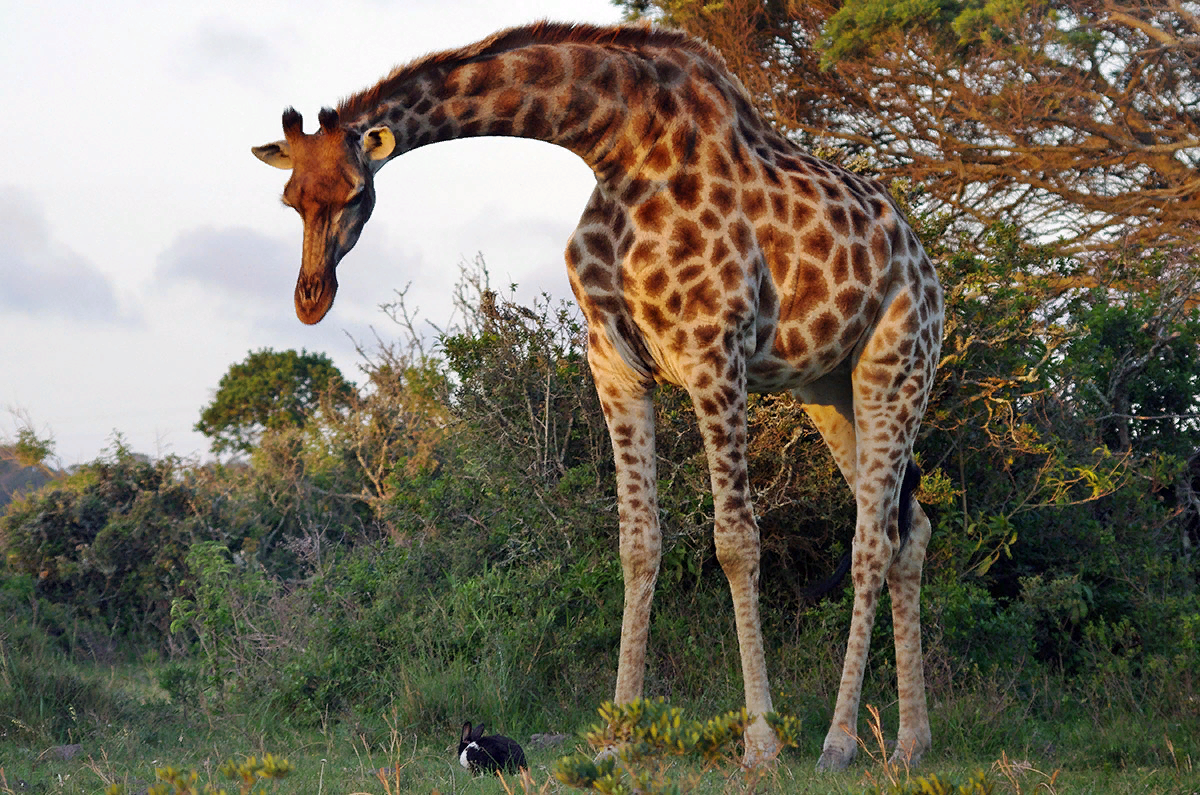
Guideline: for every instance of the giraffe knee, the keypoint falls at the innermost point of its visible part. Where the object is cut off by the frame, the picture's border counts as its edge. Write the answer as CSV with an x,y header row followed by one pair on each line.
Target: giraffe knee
x,y
640,556
867,571
738,554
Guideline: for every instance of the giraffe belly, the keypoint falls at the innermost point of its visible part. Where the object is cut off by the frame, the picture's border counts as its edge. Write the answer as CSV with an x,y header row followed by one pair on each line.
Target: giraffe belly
x,y
770,366
788,359
770,373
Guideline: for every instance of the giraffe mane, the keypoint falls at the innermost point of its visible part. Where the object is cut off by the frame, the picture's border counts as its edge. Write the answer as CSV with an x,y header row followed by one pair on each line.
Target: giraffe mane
x,y
628,37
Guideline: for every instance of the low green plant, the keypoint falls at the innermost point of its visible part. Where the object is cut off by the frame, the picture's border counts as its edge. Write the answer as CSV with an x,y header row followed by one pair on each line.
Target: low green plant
x,y
48,692
639,739
248,773
933,784
896,778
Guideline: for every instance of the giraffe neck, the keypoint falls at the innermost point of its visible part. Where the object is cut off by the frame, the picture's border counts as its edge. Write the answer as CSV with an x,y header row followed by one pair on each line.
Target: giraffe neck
x,y
628,103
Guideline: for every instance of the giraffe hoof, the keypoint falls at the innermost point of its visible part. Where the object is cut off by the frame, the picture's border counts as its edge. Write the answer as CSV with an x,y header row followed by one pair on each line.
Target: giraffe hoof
x,y
834,760
900,759
760,757
908,754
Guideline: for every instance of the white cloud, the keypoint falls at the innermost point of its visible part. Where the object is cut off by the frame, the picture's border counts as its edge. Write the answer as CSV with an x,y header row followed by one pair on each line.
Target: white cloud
x,y
220,47
39,276
238,262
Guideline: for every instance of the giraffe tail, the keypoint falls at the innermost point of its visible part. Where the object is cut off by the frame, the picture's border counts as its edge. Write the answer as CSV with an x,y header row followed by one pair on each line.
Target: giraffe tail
x,y
822,588
912,480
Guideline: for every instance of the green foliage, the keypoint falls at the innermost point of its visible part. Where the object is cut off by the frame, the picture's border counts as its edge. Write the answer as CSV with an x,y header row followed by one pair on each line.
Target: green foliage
x,y
1136,367
523,389
978,784
1004,337
381,631
248,773
954,24
30,450
214,606
269,390
1056,481
108,540
639,739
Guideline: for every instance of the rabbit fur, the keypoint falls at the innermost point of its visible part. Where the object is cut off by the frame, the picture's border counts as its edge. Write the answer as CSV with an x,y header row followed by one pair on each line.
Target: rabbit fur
x,y
480,754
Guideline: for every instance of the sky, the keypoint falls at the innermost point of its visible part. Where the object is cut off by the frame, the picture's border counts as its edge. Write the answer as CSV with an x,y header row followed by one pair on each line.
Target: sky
x,y
144,250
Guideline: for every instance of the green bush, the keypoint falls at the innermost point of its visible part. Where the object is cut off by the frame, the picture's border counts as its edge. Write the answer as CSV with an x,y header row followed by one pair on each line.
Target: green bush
x,y
109,540
974,630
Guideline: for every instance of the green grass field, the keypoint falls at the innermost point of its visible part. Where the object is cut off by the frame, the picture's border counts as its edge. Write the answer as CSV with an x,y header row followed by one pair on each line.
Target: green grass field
x,y
126,728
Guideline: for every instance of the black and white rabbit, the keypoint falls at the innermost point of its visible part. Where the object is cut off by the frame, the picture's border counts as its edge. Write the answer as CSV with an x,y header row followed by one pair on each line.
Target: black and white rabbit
x,y
480,754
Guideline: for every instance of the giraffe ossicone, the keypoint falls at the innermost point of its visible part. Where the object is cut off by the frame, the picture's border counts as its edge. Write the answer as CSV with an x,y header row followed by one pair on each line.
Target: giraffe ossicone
x,y
715,254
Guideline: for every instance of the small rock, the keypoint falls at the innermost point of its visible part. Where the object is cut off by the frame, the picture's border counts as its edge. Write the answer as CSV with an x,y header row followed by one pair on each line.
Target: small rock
x,y
539,741
66,752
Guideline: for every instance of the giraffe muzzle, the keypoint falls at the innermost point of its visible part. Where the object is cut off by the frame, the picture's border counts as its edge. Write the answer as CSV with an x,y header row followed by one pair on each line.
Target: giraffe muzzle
x,y
314,296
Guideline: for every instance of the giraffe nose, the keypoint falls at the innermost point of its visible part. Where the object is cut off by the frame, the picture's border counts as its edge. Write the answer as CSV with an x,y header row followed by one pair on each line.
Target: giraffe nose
x,y
314,296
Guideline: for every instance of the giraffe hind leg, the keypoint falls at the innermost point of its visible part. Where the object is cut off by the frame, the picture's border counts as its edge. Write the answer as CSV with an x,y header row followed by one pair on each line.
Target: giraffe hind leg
x,y
868,436
912,480
913,738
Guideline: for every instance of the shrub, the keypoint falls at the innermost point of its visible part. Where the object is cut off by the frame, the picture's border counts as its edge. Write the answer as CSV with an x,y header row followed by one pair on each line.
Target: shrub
x,y
109,540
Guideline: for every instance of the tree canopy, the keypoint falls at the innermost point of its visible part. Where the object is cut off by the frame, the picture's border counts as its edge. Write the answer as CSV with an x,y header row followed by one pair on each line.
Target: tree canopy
x,y
269,390
1077,120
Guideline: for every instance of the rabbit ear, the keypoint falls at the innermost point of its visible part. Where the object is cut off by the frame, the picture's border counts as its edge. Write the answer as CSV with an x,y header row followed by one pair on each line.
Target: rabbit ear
x,y
466,732
475,735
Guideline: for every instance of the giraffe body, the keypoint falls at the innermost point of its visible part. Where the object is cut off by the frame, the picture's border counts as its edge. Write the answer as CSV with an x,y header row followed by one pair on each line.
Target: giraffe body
x,y
713,254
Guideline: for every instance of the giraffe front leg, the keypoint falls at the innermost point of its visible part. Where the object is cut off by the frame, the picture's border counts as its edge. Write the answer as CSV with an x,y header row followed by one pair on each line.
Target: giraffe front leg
x,y
738,553
631,427
722,416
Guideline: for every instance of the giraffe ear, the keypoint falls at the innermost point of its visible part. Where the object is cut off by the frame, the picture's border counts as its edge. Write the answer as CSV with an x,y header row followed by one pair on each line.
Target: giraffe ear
x,y
277,154
378,143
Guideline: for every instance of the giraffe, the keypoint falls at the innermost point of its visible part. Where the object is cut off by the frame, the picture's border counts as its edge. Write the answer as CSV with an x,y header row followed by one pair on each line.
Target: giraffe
x,y
714,254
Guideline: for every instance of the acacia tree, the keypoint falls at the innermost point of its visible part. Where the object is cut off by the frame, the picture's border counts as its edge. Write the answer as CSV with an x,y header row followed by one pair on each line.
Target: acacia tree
x,y
270,390
1076,119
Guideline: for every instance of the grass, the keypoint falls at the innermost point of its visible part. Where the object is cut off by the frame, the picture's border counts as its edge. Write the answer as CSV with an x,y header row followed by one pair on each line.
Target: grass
x,y
1028,736
339,764
128,728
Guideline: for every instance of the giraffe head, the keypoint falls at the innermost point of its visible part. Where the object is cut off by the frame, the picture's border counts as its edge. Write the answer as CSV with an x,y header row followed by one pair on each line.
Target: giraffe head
x,y
332,188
